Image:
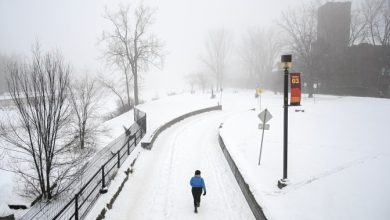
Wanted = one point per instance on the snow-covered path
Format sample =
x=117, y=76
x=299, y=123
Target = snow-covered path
x=159, y=188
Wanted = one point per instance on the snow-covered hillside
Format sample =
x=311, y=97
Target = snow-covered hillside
x=339, y=151
x=338, y=154
x=160, y=110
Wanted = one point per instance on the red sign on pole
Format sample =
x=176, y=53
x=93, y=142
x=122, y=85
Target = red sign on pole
x=295, y=82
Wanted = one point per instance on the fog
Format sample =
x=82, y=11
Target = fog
x=74, y=27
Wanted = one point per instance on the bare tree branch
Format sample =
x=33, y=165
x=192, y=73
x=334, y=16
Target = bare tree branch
x=358, y=27
x=259, y=52
x=217, y=52
x=300, y=25
x=84, y=98
x=130, y=45
x=376, y=15
x=113, y=87
x=39, y=135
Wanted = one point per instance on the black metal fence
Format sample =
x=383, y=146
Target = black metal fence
x=82, y=201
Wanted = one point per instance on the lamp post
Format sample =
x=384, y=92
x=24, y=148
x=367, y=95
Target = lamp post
x=286, y=64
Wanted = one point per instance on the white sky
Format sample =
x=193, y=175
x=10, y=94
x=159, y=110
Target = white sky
x=73, y=26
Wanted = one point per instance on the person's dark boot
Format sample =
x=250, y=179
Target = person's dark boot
x=196, y=210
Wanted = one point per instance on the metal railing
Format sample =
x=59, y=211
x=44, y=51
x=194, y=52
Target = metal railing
x=99, y=173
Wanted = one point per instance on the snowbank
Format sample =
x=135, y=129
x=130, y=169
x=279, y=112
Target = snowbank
x=338, y=149
x=158, y=112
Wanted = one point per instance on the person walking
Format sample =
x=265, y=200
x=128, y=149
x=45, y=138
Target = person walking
x=197, y=184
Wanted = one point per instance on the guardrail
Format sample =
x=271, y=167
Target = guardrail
x=148, y=142
x=254, y=206
x=99, y=176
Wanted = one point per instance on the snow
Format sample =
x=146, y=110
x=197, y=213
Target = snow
x=159, y=111
x=338, y=155
x=5, y=210
x=163, y=109
x=9, y=188
x=160, y=183
x=338, y=152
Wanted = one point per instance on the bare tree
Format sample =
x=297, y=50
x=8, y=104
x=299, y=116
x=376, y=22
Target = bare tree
x=191, y=79
x=217, y=51
x=300, y=25
x=46, y=158
x=84, y=98
x=115, y=87
x=377, y=18
x=358, y=27
x=259, y=52
x=125, y=67
x=131, y=45
x=199, y=79
x=203, y=80
x=385, y=13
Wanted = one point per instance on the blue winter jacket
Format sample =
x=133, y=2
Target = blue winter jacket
x=197, y=181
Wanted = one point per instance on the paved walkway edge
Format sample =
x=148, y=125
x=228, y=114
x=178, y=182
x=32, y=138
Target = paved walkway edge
x=254, y=206
x=148, y=143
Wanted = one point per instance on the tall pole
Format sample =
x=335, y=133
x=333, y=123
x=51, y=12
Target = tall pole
x=285, y=123
x=286, y=61
x=262, y=136
x=260, y=101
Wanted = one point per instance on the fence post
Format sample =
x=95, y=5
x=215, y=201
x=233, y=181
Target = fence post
x=119, y=158
x=76, y=210
x=103, y=180
x=128, y=146
x=145, y=123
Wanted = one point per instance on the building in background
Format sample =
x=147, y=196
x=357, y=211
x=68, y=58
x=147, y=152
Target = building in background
x=361, y=70
x=334, y=20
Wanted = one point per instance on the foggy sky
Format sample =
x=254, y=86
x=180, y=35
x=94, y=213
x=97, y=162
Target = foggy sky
x=73, y=26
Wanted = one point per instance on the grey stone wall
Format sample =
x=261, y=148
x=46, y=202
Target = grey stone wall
x=254, y=206
x=148, y=144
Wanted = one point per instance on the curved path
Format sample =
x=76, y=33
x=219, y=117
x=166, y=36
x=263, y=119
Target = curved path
x=159, y=188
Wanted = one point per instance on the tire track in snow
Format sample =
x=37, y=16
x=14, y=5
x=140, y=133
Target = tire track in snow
x=294, y=186
x=221, y=172
x=172, y=167
x=168, y=171
x=216, y=176
x=161, y=184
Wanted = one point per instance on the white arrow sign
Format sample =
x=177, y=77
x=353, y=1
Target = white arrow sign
x=265, y=116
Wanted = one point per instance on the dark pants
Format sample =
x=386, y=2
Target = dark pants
x=196, y=193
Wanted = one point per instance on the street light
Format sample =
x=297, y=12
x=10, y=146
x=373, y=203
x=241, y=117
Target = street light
x=286, y=65
x=286, y=61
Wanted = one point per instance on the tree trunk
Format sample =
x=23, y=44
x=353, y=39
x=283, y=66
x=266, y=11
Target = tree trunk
x=128, y=89
x=48, y=190
x=82, y=135
x=82, y=144
x=135, y=88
